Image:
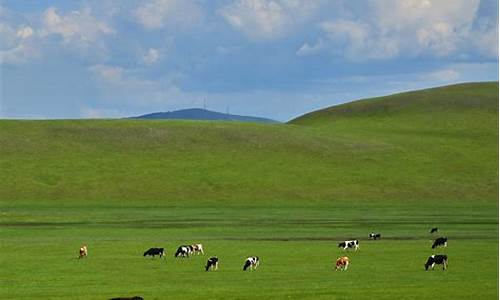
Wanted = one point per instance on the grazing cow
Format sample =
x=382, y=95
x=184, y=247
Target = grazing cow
x=342, y=263
x=435, y=229
x=184, y=251
x=436, y=259
x=442, y=241
x=128, y=298
x=349, y=244
x=197, y=248
x=375, y=236
x=83, y=252
x=213, y=263
x=154, y=251
x=251, y=262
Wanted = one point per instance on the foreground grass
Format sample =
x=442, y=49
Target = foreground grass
x=297, y=245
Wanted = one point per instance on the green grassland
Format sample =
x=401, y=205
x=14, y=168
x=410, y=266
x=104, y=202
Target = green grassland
x=288, y=193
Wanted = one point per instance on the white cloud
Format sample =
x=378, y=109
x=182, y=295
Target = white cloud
x=178, y=14
x=25, y=32
x=407, y=28
x=18, y=44
x=151, y=56
x=78, y=29
x=262, y=19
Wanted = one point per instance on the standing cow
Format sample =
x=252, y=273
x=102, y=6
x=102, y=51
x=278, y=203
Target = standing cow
x=184, y=251
x=342, y=263
x=349, y=245
x=154, y=251
x=436, y=259
x=197, y=249
x=251, y=262
x=375, y=236
x=212, y=263
x=83, y=252
x=442, y=241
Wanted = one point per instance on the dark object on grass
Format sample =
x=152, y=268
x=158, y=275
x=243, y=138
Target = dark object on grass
x=154, y=251
x=442, y=241
x=436, y=259
x=213, y=263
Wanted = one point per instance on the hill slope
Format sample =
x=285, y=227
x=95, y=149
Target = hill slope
x=459, y=98
x=437, y=144
x=202, y=114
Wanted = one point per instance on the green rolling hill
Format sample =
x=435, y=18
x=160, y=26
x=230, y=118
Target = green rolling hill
x=435, y=144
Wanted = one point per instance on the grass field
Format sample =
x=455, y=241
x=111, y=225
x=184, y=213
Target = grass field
x=288, y=193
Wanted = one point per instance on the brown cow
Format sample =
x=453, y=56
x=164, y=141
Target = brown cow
x=197, y=248
x=83, y=252
x=342, y=263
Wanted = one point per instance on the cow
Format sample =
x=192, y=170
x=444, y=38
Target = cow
x=435, y=229
x=349, y=244
x=154, y=251
x=252, y=262
x=184, y=251
x=197, y=249
x=442, y=241
x=212, y=263
x=375, y=236
x=436, y=259
x=128, y=298
x=342, y=263
x=83, y=252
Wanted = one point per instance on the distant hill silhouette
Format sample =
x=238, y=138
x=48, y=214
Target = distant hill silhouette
x=201, y=114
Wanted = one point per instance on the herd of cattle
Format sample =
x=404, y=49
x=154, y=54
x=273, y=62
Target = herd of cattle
x=252, y=262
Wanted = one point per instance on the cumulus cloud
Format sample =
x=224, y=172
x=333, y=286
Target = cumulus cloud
x=262, y=19
x=19, y=40
x=78, y=29
x=156, y=14
x=407, y=28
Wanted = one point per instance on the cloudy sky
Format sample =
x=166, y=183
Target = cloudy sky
x=269, y=58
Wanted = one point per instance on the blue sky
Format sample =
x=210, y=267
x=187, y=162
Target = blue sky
x=269, y=58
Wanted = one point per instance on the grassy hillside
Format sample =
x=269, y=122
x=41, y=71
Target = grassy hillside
x=437, y=144
x=288, y=193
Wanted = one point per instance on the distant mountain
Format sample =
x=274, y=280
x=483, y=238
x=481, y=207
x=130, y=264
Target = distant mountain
x=201, y=114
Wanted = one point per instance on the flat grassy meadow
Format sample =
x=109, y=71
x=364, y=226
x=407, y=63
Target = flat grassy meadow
x=288, y=193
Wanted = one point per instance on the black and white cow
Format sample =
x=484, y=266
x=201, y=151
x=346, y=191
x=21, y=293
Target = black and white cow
x=154, y=251
x=213, y=263
x=184, y=251
x=251, y=262
x=349, y=244
x=375, y=236
x=435, y=229
x=436, y=259
x=442, y=241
